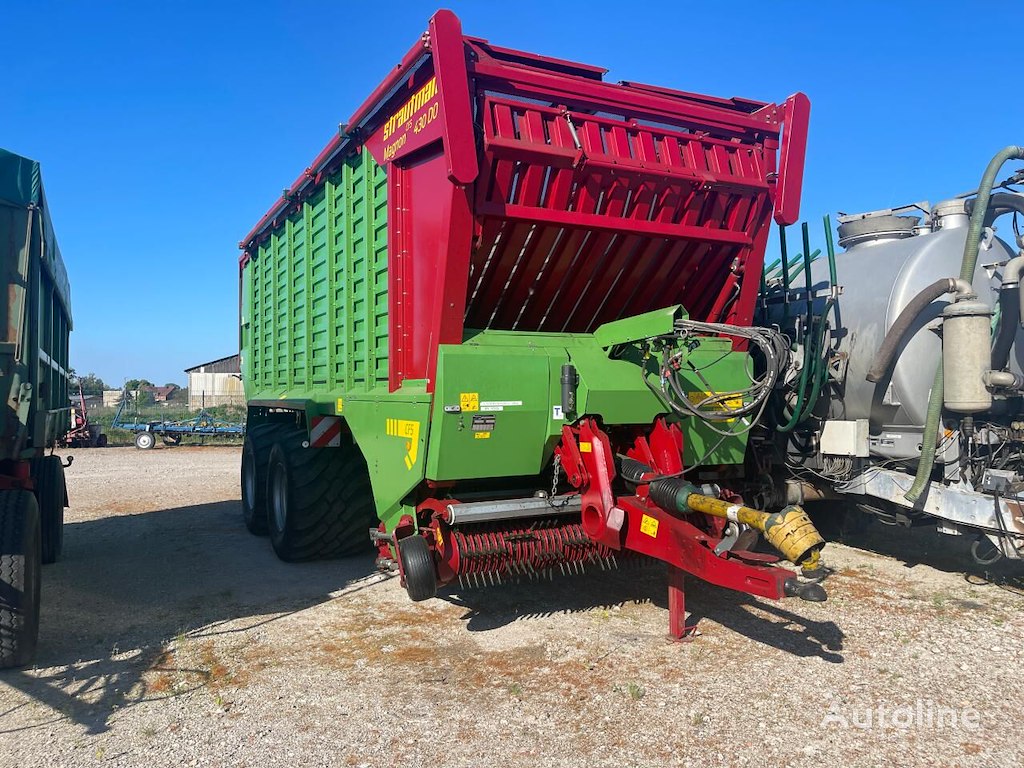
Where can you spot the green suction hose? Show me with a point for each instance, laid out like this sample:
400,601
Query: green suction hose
967,266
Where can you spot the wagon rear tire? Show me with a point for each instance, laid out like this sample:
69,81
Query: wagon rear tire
144,440
255,458
319,500
20,566
51,493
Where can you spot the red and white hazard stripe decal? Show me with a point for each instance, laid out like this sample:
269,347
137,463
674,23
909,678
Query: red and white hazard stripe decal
325,432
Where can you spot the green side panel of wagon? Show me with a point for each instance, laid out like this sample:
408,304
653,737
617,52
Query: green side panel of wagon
314,309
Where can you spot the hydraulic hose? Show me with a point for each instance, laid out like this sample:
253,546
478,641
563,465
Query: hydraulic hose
815,365
999,204
967,266
883,361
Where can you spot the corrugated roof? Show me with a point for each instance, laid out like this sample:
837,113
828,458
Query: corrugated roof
222,362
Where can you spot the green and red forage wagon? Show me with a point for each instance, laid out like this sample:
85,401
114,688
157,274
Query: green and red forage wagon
504,320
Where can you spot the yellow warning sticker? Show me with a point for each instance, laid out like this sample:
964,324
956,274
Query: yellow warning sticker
410,430
340,405
586,447
482,435
469,401
649,525
438,537
721,406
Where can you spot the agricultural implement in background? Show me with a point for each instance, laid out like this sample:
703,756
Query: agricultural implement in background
82,433
36,307
505,318
147,431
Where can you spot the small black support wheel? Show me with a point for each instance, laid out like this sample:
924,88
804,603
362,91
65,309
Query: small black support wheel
20,564
51,493
417,568
144,440
255,459
172,440
985,552
319,500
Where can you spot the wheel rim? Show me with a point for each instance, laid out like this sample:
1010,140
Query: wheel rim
279,496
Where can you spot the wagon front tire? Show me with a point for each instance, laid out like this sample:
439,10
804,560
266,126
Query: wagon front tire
255,461
145,440
20,577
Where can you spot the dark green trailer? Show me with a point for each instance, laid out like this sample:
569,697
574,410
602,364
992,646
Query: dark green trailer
504,310
36,307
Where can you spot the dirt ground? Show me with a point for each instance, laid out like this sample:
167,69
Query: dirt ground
170,636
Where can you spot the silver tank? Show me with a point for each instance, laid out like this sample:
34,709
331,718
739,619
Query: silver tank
886,262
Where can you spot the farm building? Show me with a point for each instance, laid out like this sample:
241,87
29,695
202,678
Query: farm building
111,398
218,382
163,394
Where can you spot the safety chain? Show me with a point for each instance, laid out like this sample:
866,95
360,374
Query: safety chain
556,468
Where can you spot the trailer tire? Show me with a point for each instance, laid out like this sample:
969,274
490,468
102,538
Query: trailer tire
417,568
101,441
255,458
144,440
51,492
20,564
319,500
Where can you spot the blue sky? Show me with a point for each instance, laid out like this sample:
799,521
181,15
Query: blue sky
166,130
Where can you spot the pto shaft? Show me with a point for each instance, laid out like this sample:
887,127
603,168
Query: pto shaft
790,530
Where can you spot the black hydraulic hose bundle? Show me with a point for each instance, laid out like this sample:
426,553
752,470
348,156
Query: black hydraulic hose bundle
722,406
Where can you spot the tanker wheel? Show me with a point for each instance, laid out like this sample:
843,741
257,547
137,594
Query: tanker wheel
101,441
144,440
417,568
20,563
51,493
319,500
255,458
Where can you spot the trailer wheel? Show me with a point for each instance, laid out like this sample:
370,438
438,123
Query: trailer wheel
20,563
417,568
144,440
319,500
51,491
255,457
101,441
172,440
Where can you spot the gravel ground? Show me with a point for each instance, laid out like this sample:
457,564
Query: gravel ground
170,636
